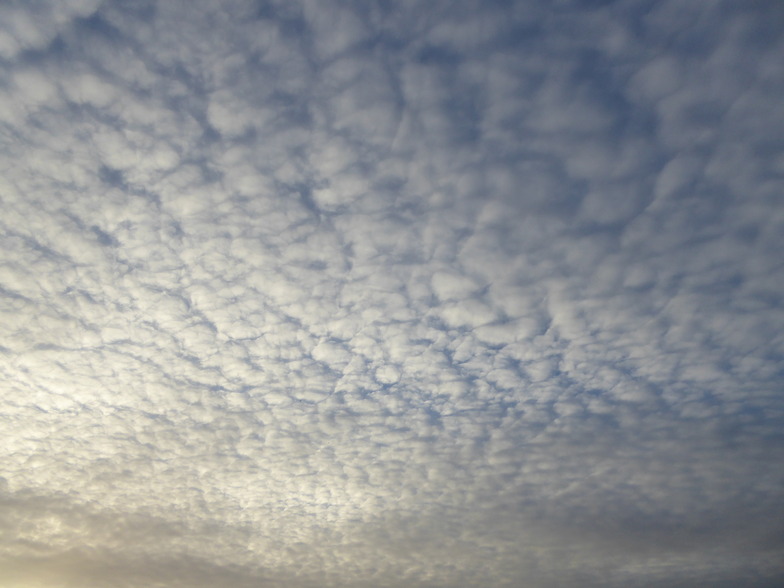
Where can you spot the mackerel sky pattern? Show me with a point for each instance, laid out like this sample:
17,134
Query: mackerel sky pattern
391,293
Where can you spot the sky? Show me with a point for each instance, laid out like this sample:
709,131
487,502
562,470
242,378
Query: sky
391,293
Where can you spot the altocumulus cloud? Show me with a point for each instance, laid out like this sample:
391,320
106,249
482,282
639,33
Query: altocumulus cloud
392,294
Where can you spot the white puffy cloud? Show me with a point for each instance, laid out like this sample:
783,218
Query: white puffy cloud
348,294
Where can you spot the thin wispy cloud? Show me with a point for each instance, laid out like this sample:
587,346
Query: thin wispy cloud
422,294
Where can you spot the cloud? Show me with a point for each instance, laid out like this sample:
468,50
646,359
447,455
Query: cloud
442,294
